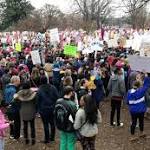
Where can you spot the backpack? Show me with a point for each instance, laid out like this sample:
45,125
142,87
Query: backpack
62,113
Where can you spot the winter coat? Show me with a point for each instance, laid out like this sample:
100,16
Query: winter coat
27,99
5,80
136,99
56,79
47,96
9,92
85,128
116,86
99,93
3,124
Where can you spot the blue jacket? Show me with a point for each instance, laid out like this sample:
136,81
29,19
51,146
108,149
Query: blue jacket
99,93
135,98
9,92
47,96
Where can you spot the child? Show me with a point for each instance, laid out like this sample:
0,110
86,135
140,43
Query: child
137,105
3,126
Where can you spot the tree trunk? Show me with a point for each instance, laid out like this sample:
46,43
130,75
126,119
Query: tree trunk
98,23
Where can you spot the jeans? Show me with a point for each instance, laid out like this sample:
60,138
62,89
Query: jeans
135,117
48,122
67,141
115,105
88,143
1,143
25,129
16,126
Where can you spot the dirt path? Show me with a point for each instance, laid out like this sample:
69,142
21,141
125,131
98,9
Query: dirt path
109,138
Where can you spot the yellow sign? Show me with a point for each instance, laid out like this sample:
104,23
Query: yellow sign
18,47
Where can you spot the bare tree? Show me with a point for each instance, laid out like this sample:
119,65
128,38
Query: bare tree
134,8
49,15
93,10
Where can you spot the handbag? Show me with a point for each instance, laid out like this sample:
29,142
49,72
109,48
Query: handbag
78,134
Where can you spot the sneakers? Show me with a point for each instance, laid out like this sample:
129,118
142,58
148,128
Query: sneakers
113,124
120,125
11,137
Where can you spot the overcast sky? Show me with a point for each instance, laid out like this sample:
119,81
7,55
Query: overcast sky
64,5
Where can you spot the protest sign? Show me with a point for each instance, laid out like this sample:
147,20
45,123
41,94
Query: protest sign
80,46
136,42
87,50
138,63
145,45
18,47
3,40
128,43
70,50
54,35
142,52
96,45
112,43
35,57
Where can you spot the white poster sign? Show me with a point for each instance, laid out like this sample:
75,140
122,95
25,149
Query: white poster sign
112,43
128,43
138,63
54,35
96,46
145,45
35,57
80,46
87,50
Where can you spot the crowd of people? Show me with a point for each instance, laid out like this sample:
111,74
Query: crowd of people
67,92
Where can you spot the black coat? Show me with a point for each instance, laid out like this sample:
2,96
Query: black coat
47,96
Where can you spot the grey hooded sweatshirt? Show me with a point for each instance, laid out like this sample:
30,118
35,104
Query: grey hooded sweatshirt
116,86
